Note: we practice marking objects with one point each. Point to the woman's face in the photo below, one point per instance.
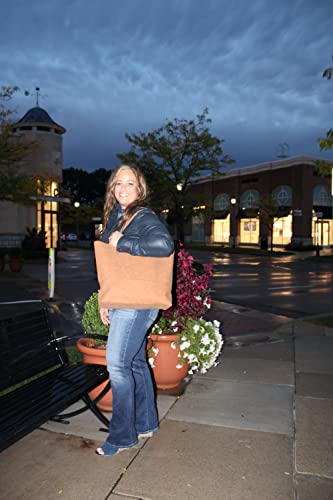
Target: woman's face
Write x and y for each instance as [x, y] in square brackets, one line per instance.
[126, 188]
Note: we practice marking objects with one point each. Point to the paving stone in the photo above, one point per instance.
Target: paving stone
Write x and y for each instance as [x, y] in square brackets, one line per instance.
[316, 385]
[86, 425]
[312, 487]
[46, 465]
[280, 350]
[253, 370]
[314, 436]
[305, 328]
[242, 405]
[191, 461]
[313, 356]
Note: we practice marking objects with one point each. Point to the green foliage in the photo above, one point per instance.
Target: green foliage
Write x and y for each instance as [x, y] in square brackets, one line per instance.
[34, 239]
[91, 320]
[323, 321]
[323, 168]
[73, 355]
[34, 243]
[15, 253]
[86, 187]
[269, 211]
[176, 154]
[14, 186]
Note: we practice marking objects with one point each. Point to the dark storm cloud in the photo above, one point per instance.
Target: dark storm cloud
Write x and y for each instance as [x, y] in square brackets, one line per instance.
[110, 67]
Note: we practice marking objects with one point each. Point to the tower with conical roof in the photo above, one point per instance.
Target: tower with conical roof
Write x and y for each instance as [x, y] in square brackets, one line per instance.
[44, 162]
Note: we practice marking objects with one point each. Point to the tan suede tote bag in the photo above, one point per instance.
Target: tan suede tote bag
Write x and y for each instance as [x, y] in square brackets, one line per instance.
[132, 282]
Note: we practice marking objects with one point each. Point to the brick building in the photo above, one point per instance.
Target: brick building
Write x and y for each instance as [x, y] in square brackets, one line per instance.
[232, 213]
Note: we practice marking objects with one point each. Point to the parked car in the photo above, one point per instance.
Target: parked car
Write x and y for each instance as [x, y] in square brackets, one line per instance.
[71, 237]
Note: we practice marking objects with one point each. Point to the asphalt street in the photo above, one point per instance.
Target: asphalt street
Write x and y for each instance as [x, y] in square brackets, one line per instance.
[288, 285]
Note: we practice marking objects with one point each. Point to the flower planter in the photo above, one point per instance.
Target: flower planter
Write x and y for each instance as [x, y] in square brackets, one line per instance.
[15, 265]
[94, 356]
[166, 375]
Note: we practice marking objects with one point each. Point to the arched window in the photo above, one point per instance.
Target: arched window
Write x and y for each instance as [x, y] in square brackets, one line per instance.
[322, 196]
[221, 202]
[250, 199]
[283, 196]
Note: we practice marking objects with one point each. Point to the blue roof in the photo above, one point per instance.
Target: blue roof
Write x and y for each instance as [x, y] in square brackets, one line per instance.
[39, 115]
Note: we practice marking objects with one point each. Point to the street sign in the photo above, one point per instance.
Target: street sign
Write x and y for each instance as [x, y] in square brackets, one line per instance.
[57, 199]
[297, 212]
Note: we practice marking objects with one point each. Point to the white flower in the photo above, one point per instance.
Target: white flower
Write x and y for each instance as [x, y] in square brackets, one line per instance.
[184, 345]
[174, 323]
[155, 350]
[197, 297]
[151, 362]
[196, 328]
[175, 329]
[205, 339]
[173, 345]
[216, 323]
[179, 366]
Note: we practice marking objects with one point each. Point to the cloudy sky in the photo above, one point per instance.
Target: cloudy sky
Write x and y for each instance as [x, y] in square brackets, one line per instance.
[106, 67]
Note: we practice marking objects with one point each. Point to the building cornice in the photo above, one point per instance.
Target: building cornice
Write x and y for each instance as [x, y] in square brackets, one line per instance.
[261, 167]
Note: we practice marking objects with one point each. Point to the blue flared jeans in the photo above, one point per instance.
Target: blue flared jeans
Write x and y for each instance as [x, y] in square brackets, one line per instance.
[133, 400]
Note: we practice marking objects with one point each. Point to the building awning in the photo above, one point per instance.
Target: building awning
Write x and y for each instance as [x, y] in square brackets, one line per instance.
[220, 214]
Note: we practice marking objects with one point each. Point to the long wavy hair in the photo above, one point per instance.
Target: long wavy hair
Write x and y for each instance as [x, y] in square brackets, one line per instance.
[111, 201]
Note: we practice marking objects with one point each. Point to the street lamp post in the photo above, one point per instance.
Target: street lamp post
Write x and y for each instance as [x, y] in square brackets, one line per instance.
[233, 202]
[77, 205]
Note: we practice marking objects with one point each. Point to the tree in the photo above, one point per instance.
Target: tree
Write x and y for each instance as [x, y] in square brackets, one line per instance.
[324, 168]
[86, 187]
[14, 185]
[269, 211]
[172, 157]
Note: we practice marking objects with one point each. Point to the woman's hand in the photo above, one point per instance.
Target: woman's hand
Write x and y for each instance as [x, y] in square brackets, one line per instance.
[104, 314]
[114, 238]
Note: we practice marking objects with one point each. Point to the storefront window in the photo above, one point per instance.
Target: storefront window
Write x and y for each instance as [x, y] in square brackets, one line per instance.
[249, 231]
[198, 228]
[322, 232]
[221, 230]
[282, 230]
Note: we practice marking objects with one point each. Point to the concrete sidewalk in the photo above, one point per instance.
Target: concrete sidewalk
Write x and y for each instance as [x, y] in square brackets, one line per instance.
[258, 426]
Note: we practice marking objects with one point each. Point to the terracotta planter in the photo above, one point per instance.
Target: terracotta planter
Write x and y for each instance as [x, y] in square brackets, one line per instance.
[94, 356]
[166, 375]
[15, 265]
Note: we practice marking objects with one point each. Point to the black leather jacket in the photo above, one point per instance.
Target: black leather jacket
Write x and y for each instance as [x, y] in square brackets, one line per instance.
[145, 235]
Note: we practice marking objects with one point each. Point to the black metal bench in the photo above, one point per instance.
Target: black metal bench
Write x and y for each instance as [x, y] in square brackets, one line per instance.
[36, 382]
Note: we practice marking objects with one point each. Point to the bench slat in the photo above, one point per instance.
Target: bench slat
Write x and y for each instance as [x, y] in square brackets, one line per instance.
[41, 385]
[23, 411]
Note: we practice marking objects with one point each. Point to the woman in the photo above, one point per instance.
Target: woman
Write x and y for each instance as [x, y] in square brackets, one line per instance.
[134, 413]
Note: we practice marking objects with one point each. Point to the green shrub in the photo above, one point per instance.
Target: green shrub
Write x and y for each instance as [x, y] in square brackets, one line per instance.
[91, 320]
[15, 253]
